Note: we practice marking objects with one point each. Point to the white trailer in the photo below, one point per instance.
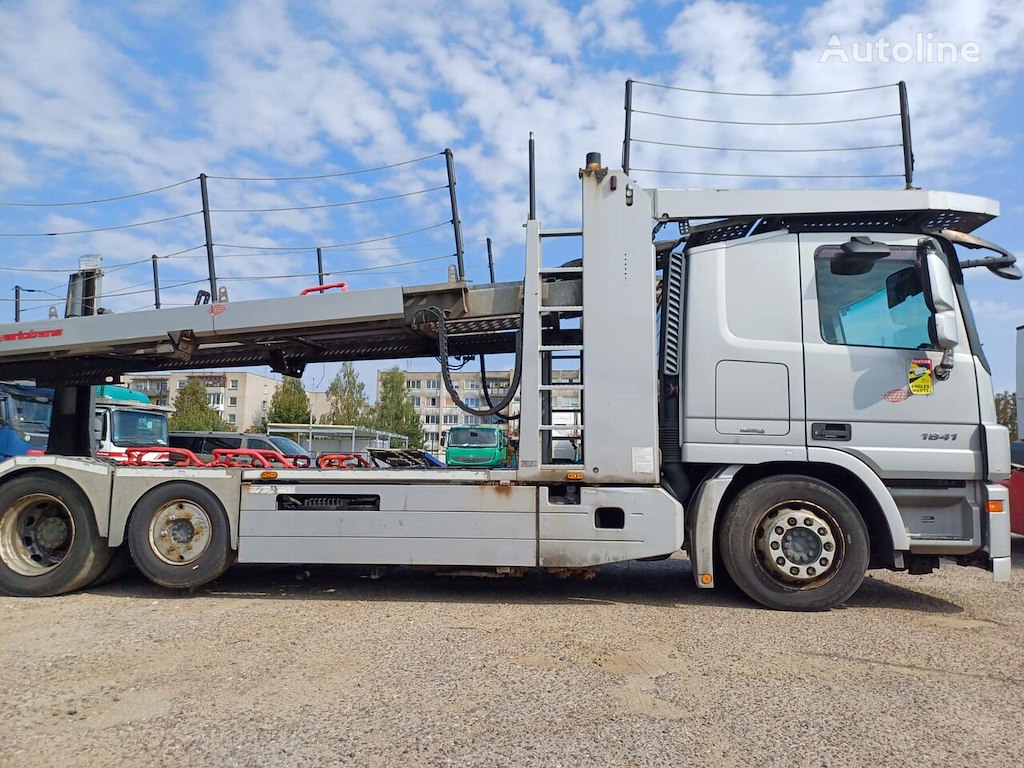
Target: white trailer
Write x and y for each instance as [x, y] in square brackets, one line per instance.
[1020, 381]
[793, 390]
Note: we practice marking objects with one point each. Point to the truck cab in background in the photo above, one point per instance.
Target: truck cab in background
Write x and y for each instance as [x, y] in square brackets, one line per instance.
[1016, 481]
[24, 419]
[127, 419]
[476, 446]
[1017, 448]
[122, 419]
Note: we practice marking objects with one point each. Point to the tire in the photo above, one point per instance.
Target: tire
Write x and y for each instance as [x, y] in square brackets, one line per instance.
[178, 536]
[49, 543]
[793, 543]
[120, 563]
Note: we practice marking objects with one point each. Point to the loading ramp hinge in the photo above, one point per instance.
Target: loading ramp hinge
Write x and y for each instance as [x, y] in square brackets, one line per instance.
[281, 364]
[183, 344]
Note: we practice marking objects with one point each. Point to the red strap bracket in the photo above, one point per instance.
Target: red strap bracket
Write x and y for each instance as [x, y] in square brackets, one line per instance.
[322, 288]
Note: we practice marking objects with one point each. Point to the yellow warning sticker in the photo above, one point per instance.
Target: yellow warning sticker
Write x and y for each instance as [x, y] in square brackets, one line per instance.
[920, 376]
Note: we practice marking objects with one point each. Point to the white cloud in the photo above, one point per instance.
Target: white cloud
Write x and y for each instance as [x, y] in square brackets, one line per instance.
[272, 88]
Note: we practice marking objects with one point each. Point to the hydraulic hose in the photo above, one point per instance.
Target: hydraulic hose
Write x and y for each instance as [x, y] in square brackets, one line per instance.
[442, 347]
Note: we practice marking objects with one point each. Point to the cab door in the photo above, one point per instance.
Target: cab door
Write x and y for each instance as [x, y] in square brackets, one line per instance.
[867, 323]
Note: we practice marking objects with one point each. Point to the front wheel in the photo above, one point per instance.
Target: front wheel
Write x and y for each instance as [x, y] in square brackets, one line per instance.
[793, 543]
[49, 543]
[178, 536]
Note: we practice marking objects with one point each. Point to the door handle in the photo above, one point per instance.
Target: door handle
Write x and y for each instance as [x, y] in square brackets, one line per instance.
[820, 431]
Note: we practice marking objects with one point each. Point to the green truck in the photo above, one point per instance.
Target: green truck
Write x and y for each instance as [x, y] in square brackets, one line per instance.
[477, 446]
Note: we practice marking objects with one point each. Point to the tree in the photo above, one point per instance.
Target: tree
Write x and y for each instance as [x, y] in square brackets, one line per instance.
[259, 425]
[192, 411]
[1006, 412]
[290, 403]
[394, 412]
[347, 397]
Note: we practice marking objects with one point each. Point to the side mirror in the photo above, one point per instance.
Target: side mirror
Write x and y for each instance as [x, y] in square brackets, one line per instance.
[444, 438]
[939, 296]
[1006, 271]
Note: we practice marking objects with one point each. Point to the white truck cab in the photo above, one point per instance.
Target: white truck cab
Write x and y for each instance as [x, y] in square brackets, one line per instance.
[124, 420]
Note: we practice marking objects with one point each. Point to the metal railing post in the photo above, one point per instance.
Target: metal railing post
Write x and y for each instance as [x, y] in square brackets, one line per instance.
[17, 302]
[629, 126]
[320, 265]
[490, 259]
[533, 181]
[156, 283]
[209, 237]
[449, 161]
[908, 149]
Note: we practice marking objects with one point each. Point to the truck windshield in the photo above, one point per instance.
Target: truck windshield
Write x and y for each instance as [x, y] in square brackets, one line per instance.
[472, 438]
[138, 428]
[31, 411]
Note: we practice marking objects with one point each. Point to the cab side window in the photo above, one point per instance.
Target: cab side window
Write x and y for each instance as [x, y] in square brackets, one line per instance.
[873, 303]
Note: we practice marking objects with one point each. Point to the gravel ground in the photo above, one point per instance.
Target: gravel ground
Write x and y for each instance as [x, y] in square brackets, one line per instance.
[269, 667]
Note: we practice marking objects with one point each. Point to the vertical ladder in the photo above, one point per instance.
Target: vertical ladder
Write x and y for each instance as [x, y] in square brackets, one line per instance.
[605, 302]
[551, 431]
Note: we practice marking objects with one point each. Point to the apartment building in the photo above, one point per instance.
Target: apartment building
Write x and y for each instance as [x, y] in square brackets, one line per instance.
[438, 413]
[241, 398]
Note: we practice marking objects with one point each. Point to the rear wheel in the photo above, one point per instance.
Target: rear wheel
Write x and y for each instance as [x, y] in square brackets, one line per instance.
[49, 543]
[794, 543]
[178, 536]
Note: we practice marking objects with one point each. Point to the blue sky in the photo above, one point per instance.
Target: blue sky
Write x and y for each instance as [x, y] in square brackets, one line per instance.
[102, 99]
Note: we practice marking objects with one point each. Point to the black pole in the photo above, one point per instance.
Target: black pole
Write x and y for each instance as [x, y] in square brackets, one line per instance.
[629, 126]
[90, 288]
[209, 237]
[449, 161]
[533, 180]
[908, 150]
[320, 264]
[17, 298]
[74, 406]
[490, 259]
[156, 283]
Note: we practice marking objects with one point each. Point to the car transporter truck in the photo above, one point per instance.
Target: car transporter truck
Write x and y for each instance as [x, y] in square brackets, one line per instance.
[793, 391]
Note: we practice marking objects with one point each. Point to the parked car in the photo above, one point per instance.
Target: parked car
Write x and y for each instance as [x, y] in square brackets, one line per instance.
[203, 444]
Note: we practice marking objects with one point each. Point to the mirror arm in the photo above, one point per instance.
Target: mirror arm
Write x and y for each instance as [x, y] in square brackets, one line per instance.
[1004, 265]
[945, 366]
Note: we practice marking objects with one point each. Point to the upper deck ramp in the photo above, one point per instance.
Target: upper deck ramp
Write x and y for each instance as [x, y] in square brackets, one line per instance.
[284, 333]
